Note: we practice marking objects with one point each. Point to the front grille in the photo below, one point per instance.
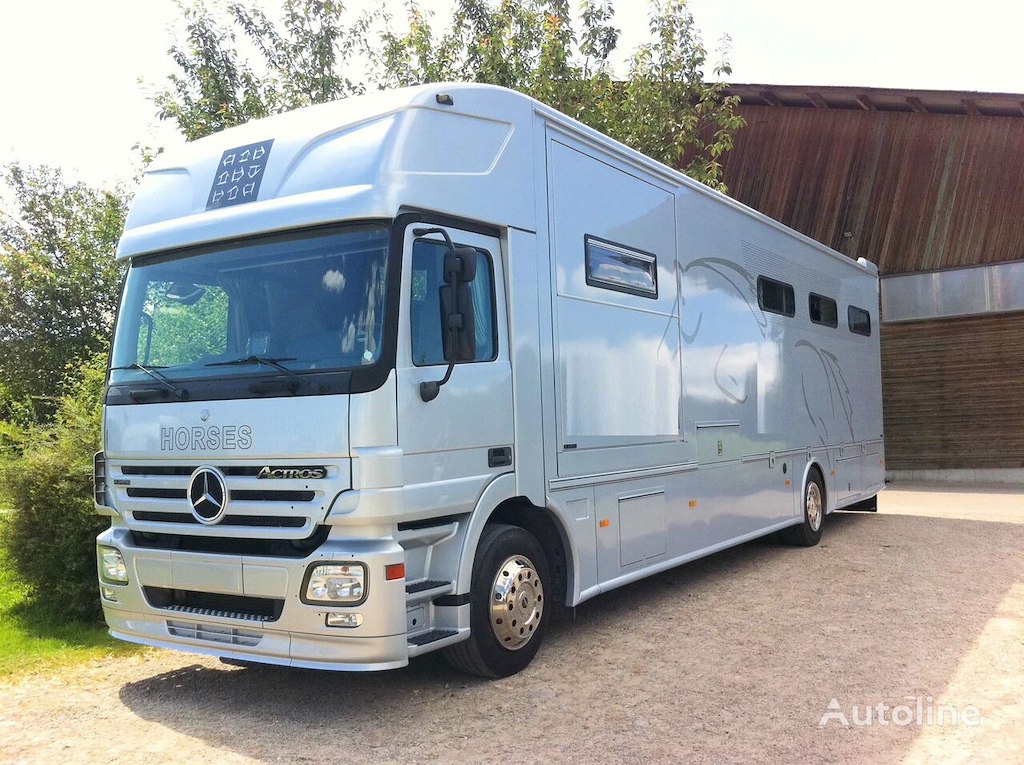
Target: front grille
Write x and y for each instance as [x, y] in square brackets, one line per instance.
[261, 521]
[215, 604]
[283, 507]
[241, 471]
[157, 493]
[266, 548]
[156, 470]
[214, 632]
[239, 495]
[271, 495]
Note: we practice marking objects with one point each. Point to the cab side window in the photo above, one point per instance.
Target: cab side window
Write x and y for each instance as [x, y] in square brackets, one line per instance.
[427, 279]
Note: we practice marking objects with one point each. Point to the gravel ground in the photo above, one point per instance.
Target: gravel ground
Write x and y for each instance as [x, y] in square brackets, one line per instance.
[734, 658]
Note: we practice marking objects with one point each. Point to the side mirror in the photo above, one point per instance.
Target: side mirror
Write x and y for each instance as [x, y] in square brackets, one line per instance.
[458, 323]
[185, 293]
[460, 265]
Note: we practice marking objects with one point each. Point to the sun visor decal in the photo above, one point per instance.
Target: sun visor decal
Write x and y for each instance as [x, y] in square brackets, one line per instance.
[238, 175]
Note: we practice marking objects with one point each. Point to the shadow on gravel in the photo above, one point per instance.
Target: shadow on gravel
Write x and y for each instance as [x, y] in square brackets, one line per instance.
[735, 656]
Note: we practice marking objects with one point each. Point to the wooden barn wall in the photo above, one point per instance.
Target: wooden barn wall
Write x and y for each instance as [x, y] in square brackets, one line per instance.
[916, 191]
[952, 393]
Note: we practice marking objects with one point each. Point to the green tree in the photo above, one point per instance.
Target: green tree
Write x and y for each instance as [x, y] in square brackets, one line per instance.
[662, 107]
[668, 110]
[59, 282]
[303, 61]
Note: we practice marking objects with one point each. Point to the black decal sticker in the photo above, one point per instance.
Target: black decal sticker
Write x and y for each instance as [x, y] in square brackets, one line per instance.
[238, 176]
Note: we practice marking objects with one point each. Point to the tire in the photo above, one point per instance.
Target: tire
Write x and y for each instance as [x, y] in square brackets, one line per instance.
[508, 613]
[808, 533]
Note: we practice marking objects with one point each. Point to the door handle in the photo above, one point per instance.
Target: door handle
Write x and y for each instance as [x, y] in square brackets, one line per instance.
[499, 456]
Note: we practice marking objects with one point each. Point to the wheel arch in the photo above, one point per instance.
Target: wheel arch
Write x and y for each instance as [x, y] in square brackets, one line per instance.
[499, 504]
[814, 466]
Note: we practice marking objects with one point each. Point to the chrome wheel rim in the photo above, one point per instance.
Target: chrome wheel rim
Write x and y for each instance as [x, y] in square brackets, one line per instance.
[517, 602]
[813, 506]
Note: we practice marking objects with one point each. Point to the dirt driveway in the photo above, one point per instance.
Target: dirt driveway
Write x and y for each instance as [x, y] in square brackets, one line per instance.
[739, 657]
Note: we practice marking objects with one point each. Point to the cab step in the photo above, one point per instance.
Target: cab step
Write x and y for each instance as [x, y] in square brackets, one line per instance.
[428, 589]
[426, 584]
[431, 637]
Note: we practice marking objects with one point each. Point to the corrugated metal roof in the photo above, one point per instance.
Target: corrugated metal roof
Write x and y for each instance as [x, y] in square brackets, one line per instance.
[882, 99]
[909, 191]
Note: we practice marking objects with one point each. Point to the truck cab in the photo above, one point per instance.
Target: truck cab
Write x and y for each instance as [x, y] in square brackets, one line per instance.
[280, 487]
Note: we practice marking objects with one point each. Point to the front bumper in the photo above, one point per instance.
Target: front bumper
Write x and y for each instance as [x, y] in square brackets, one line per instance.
[295, 634]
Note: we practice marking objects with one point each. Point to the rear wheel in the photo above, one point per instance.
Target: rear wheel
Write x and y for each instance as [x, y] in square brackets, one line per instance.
[508, 607]
[808, 533]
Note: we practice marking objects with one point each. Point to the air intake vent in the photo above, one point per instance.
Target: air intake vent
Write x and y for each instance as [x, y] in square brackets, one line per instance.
[215, 604]
[214, 633]
[156, 470]
[157, 493]
[260, 521]
[99, 479]
[187, 470]
[271, 495]
[270, 548]
[238, 495]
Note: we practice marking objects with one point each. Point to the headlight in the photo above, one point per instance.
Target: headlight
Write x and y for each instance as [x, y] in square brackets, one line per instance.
[336, 583]
[112, 568]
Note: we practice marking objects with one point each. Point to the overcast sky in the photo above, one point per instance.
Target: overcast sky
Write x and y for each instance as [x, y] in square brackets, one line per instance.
[70, 69]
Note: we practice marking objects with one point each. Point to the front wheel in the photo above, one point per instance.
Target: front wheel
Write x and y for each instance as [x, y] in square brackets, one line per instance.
[508, 606]
[808, 533]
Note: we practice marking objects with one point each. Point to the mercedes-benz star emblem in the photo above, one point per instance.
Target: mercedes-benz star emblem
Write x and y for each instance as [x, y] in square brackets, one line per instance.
[207, 494]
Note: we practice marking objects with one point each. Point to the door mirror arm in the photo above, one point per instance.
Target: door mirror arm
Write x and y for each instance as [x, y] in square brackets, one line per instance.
[430, 388]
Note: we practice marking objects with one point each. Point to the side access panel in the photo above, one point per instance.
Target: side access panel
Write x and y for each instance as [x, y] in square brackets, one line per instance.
[618, 392]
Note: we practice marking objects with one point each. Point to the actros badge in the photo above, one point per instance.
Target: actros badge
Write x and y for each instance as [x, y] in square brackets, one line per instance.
[314, 472]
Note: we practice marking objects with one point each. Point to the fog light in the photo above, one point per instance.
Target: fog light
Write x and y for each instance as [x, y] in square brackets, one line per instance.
[109, 593]
[344, 620]
[337, 583]
[112, 566]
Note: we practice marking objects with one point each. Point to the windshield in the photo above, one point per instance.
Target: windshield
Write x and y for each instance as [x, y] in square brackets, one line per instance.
[280, 305]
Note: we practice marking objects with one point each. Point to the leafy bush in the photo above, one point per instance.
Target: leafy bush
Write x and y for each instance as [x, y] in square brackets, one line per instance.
[12, 437]
[51, 535]
[16, 415]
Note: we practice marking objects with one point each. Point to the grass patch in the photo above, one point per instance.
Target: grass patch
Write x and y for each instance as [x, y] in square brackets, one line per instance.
[33, 638]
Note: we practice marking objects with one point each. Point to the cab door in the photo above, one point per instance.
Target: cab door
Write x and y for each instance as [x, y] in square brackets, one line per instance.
[456, 443]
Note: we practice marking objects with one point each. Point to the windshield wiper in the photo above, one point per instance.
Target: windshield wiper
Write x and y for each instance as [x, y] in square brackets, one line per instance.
[264, 360]
[151, 371]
